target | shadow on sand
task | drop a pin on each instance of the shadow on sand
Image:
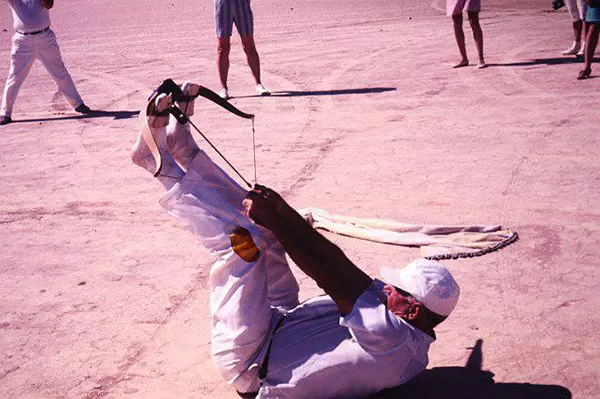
(94, 114)
(469, 382)
(545, 61)
(286, 93)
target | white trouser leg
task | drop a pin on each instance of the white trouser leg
(22, 56)
(573, 9)
(49, 54)
(282, 285)
(242, 318)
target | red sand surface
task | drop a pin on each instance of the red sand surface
(102, 294)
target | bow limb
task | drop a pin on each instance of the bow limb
(168, 86)
(147, 133)
(214, 97)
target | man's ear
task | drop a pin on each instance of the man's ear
(416, 309)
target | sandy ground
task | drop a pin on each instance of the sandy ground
(102, 294)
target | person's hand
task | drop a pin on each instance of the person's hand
(48, 4)
(263, 205)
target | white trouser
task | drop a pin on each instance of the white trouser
(244, 295)
(578, 9)
(25, 49)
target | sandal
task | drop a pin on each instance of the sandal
(584, 74)
(462, 64)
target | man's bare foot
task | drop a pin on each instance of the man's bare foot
(180, 142)
(142, 156)
(461, 64)
(191, 91)
(157, 115)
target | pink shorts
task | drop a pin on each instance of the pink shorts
(454, 7)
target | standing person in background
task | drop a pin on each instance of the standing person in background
(455, 9)
(593, 31)
(228, 12)
(578, 10)
(34, 39)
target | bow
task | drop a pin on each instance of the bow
(169, 87)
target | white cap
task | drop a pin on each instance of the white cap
(428, 281)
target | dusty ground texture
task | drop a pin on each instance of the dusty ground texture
(102, 294)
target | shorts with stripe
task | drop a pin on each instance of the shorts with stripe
(228, 12)
(455, 7)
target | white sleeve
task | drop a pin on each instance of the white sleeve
(372, 325)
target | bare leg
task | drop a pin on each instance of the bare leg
(459, 34)
(477, 35)
(584, 30)
(252, 57)
(590, 44)
(254, 63)
(223, 49)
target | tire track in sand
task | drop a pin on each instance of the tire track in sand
(324, 105)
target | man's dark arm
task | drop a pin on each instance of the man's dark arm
(48, 4)
(318, 257)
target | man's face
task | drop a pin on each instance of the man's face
(399, 302)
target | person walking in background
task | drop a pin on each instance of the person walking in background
(455, 9)
(593, 31)
(34, 39)
(228, 12)
(578, 10)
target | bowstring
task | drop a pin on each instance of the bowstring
(254, 151)
(219, 152)
(222, 156)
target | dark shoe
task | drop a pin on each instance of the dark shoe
(584, 74)
(5, 120)
(83, 109)
(558, 4)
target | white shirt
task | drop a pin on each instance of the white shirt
(316, 353)
(29, 15)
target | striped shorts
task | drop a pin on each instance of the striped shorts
(454, 7)
(228, 12)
